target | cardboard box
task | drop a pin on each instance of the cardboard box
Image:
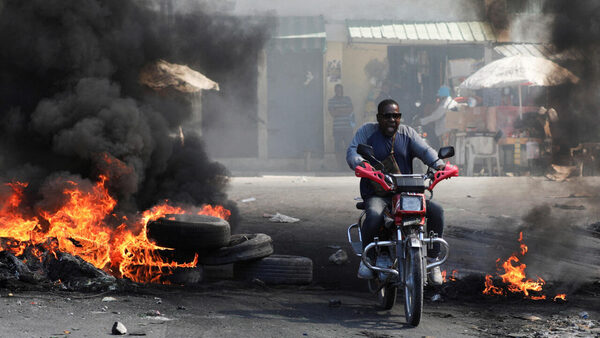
(455, 120)
(476, 118)
(472, 119)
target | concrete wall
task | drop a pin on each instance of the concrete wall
(335, 52)
(357, 84)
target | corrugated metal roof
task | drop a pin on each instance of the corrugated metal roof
(381, 31)
(540, 50)
(297, 33)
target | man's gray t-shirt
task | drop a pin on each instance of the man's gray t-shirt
(407, 145)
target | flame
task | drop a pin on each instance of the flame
(452, 278)
(21, 228)
(490, 288)
(454, 275)
(217, 211)
(515, 278)
(560, 296)
(84, 225)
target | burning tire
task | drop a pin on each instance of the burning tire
(243, 247)
(276, 269)
(189, 232)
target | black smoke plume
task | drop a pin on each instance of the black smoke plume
(559, 250)
(576, 28)
(70, 101)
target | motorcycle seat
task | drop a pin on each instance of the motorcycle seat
(360, 205)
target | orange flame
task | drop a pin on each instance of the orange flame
(217, 211)
(490, 288)
(81, 227)
(13, 224)
(561, 296)
(452, 278)
(515, 278)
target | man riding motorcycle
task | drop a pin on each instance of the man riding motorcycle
(396, 146)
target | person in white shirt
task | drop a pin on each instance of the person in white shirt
(438, 116)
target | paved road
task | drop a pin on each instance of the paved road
(483, 219)
(484, 216)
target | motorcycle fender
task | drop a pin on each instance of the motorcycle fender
(415, 242)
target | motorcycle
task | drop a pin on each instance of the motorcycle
(404, 236)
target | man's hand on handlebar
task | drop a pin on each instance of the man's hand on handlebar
(441, 166)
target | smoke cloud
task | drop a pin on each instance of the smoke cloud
(576, 27)
(558, 249)
(71, 103)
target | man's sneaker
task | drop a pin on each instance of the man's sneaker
(364, 272)
(383, 261)
(434, 275)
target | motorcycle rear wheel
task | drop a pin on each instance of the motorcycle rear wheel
(386, 296)
(413, 286)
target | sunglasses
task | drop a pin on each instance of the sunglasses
(387, 116)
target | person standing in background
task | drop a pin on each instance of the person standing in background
(438, 117)
(341, 109)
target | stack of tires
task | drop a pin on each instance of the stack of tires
(251, 254)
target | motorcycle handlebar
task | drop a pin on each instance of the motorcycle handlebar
(379, 176)
(374, 175)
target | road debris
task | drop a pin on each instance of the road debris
(119, 329)
(281, 218)
(153, 313)
(339, 257)
(301, 179)
(109, 299)
(249, 199)
(259, 282)
(584, 315)
(561, 173)
(527, 316)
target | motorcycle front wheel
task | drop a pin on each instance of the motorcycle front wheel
(386, 295)
(413, 286)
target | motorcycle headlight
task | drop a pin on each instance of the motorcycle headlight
(412, 203)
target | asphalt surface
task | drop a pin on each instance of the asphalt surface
(483, 219)
(484, 216)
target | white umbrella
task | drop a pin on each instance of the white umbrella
(518, 70)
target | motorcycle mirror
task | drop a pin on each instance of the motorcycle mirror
(367, 152)
(446, 152)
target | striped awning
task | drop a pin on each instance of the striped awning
(547, 51)
(381, 31)
(297, 33)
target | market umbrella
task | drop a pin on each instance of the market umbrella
(516, 71)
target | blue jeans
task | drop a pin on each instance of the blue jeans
(374, 221)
